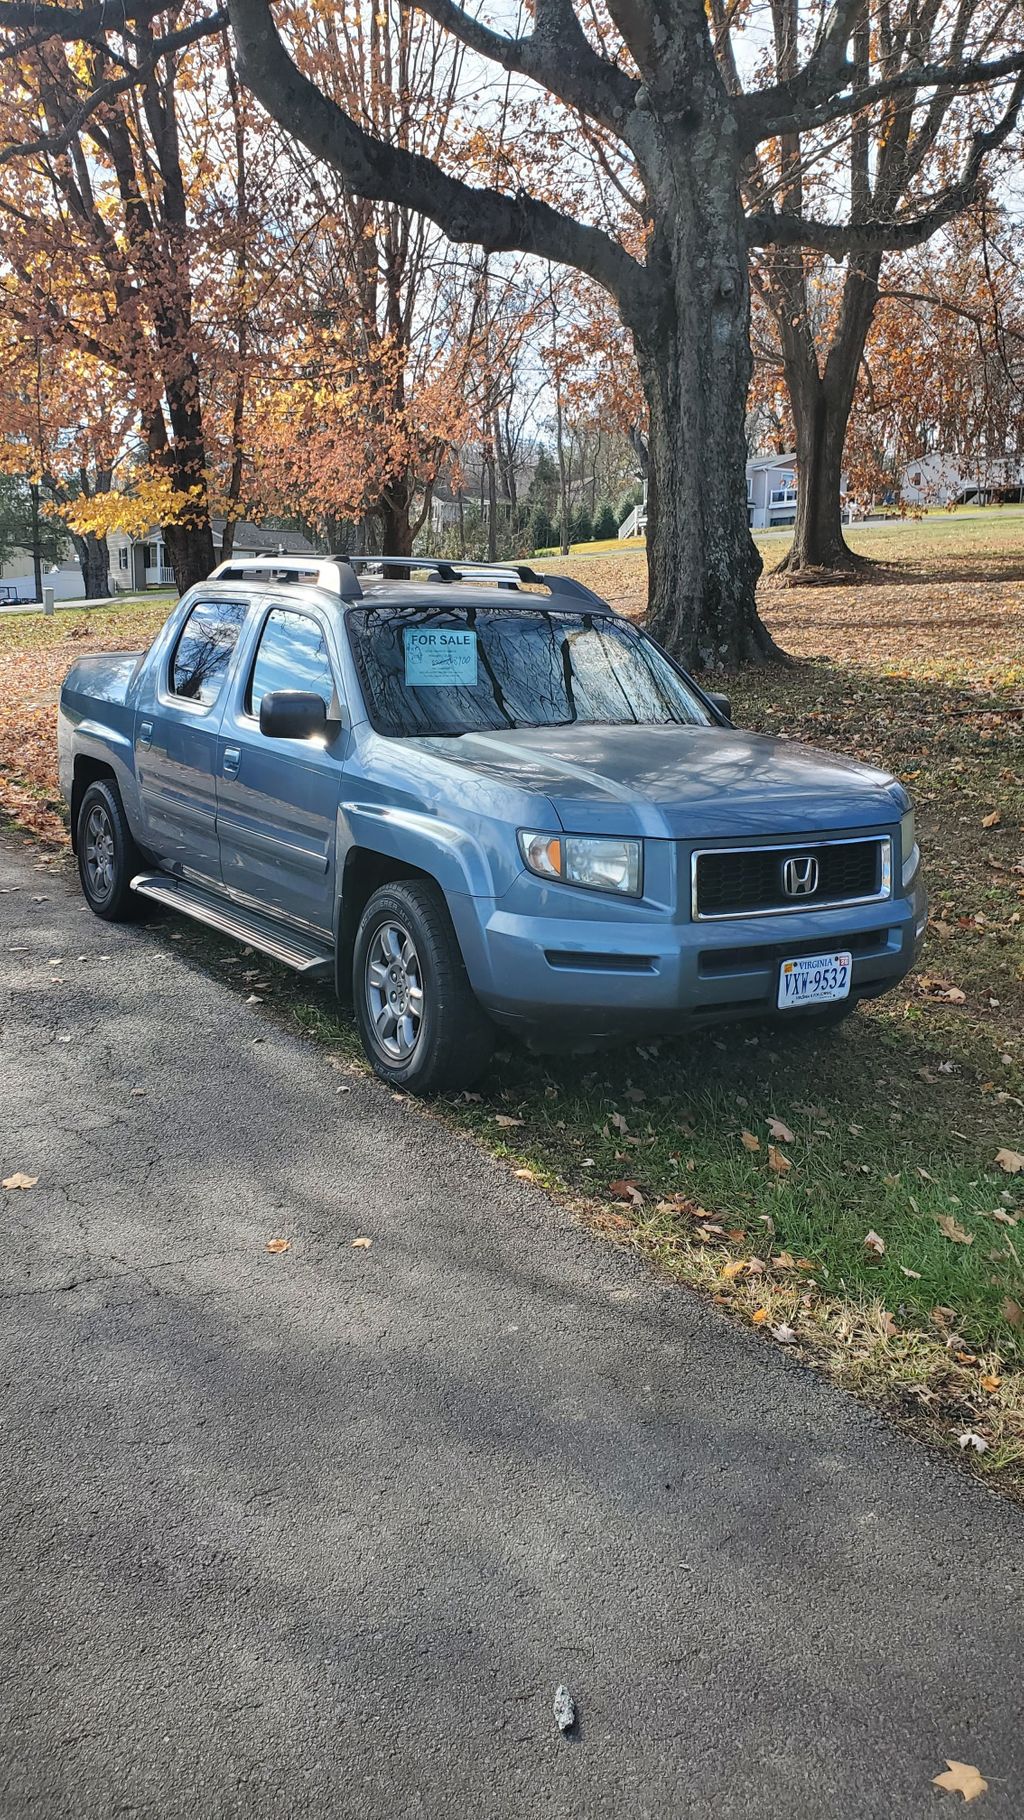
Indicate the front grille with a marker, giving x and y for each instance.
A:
(744, 881)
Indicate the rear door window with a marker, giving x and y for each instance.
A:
(204, 649)
(292, 654)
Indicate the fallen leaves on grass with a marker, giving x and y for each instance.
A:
(780, 1132)
(961, 1779)
(1012, 1312)
(1010, 1160)
(874, 1242)
(977, 1443)
(941, 989)
(749, 1141)
(785, 1335)
(505, 1121)
(949, 1229)
(989, 1381)
(991, 821)
(778, 1162)
(21, 1181)
(734, 1268)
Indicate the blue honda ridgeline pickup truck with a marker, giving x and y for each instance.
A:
(474, 805)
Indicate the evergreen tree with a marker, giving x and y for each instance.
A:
(542, 532)
(606, 525)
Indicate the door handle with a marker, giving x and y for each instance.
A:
(231, 760)
(145, 734)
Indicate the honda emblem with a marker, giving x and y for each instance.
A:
(800, 876)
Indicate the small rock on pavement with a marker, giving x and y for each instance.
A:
(565, 1709)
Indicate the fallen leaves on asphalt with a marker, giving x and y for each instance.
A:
(276, 1245)
(961, 1779)
(361, 1244)
(21, 1181)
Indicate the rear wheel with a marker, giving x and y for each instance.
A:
(420, 1022)
(108, 858)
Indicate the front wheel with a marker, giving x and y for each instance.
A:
(108, 858)
(419, 1020)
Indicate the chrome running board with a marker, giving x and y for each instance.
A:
(312, 958)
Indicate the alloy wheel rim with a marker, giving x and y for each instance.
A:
(394, 991)
(99, 852)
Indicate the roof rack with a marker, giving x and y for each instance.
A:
(332, 572)
(338, 574)
(513, 576)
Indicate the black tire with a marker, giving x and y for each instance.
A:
(440, 1040)
(108, 858)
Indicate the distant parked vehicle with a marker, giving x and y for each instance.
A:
(475, 805)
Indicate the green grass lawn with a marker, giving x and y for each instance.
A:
(892, 1125)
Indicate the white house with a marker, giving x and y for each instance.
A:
(771, 495)
(771, 491)
(942, 479)
(18, 578)
(141, 562)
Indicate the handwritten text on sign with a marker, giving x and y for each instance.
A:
(439, 657)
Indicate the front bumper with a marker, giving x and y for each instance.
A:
(560, 978)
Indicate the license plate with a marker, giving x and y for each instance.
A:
(814, 979)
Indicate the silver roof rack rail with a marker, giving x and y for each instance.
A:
(334, 573)
(505, 575)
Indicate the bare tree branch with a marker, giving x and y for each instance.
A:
(772, 228)
(388, 173)
(75, 23)
(762, 114)
(557, 55)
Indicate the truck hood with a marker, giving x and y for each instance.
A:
(679, 782)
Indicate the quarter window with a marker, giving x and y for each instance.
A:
(204, 649)
(292, 654)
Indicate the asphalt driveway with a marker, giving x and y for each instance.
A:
(317, 1533)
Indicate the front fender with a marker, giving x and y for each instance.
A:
(455, 856)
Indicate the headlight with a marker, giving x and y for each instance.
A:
(598, 864)
(909, 848)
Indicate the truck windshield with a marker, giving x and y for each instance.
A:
(479, 669)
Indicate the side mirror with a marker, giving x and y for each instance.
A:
(722, 703)
(292, 714)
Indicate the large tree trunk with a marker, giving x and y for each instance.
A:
(94, 562)
(694, 359)
(189, 553)
(818, 541)
(821, 405)
(394, 513)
